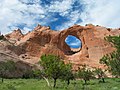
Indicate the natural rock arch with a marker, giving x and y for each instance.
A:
(42, 40)
(77, 32)
(73, 48)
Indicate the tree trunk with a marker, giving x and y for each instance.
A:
(103, 80)
(85, 82)
(2, 80)
(68, 82)
(54, 82)
(46, 80)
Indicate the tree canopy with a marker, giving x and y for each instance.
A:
(85, 73)
(53, 66)
(112, 60)
(6, 67)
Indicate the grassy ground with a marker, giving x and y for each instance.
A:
(34, 84)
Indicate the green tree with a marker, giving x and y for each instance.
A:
(115, 41)
(52, 66)
(6, 67)
(100, 74)
(28, 74)
(67, 74)
(112, 60)
(36, 73)
(85, 73)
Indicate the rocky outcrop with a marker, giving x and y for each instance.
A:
(43, 40)
(14, 36)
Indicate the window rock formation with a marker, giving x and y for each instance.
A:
(43, 40)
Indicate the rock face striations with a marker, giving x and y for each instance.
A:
(42, 40)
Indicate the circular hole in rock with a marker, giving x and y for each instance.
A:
(74, 43)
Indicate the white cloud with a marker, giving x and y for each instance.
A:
(31, 12)
(73, 41)
(99, 12)
(13, 13)
(26, 29)
(60, 6)
(75, 44)
(30, 1)
(73, 18)
(102, 12)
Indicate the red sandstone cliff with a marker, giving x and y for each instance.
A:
(42, 40)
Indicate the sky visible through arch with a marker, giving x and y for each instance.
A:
(58, 14)
(73, 42)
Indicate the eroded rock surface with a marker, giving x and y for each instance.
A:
(43, 40)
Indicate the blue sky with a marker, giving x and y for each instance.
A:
(73, 42)
(58, 14)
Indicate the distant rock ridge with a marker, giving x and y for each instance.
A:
(42, 40)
